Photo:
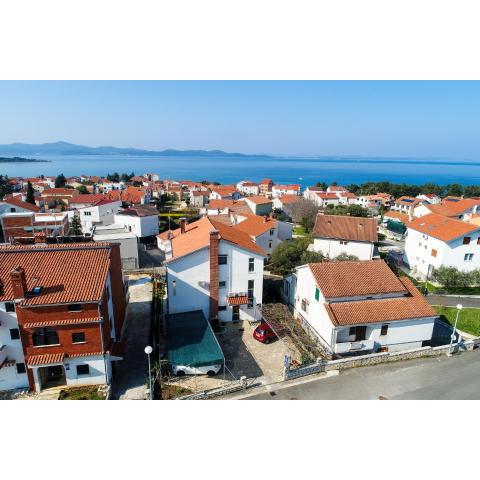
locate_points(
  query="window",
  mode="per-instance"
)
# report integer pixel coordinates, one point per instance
(222, 284)
(9, 307)
(466, 240)
(87, 214)
(83, 370)
(343, 242)
(478, 241)
(270, 244)
(14, 333)
(317, 294)
(305, 305)
(75, 307)
(45, 336)
(222, 308)
(78, 337)
(352, 331)
(174, 285)
(468, 257)
(384, 330)
(222, 259)
(251, 264)
(21, 368)
(251, 287)
(434, 252)
(272, 231)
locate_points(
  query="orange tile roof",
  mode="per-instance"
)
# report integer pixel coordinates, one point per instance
(223, 203)
(45, 359)
(409, 201)
(88, 198)
(336, 188)
(20, 203)
(286, 199)
(412, 305)
(67, 273)
(441, 227)
(455, 208)
(67, 192)
(326, 195)
(259, 199)
(351, 279)
(398, 215)
(239, 300)
(197, 236)
(254, 225)
(360, 229)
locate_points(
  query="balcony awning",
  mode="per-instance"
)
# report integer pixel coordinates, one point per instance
(240, 300)
(47, 359)
(56, 323)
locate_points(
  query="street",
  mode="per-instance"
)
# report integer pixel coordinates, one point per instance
(439, 378)
(452, 301)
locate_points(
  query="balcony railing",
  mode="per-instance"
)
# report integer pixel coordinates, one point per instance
(237, 294)
(350, 347)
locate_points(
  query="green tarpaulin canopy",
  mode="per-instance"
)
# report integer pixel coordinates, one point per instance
(396, 227)
(191, 341)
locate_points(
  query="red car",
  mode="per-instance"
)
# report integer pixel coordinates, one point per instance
(263, 333)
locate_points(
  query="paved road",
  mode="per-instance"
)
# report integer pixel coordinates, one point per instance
(453, 301)
(438, 378)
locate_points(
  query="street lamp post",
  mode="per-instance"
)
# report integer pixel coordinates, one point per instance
(459, 307)
(148, 350)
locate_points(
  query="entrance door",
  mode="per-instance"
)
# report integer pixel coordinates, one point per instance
(236, 313)
(52, 376)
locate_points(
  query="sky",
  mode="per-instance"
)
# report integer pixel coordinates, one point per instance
(366, 118)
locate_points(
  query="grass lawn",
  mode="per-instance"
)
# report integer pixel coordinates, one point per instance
(468, 321)
(299, 230)
(81, 393)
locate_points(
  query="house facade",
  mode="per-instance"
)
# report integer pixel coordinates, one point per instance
(216, 269)
(361, 307)
(434, 240)
(337, 234)
(141, 220)
(62, 310)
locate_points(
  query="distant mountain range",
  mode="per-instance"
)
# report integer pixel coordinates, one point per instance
(65, 148)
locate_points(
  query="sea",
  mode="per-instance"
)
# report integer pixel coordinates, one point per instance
(231, 169)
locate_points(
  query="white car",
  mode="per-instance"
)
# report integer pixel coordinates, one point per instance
(209, 370)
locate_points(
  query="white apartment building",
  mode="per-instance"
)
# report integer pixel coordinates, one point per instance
(142, 220)
(279, 190)
(101, 213)
(248, 188)
(214, 268)
(352, 307)
(337, 234)
(435, 240)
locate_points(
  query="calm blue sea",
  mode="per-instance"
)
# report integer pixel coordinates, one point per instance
(305, 171)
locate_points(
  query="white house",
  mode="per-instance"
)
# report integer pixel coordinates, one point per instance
(353, 307)
(224, 192)
(259, 205)
(310, 193)
(214, 268)
(322, 199)
(430, 198)
(248, 188)
(279, 190)
(454, 207)
(101, 213)
(370, 202)
(435, 240)
(118, 234)
(336, 234)
(406, 205)
(142, 220)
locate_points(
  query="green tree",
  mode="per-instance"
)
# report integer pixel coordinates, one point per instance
(60, 181)
(30, 197)
(357, 211)
(451, 277)
(345, 257)
(82, 189)
(291, 254)
(5, 187)
(322, 185)
(76, 226)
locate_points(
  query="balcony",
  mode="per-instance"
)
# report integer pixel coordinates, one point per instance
(351, 347)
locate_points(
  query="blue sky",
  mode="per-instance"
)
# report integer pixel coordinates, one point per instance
(416, 119)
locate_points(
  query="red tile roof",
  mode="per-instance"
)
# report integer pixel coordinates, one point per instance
(66, 192)
(88, 198)
(360, 229)
(17, 202)
(453, 208)
(239, 300)
(45, 359)
(398, 215)
(412, 305)
(259, 199)
(286, 199)
(67, 273)
(351, 279)
(255, 225)
(441, 227)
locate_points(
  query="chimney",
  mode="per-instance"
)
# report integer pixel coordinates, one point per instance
(19, 283)
(183, 224)
(265, 218)
(214, 249)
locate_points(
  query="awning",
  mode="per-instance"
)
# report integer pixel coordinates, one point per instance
(47, 359)
(55, 323)
(240, 300)
(7, 363)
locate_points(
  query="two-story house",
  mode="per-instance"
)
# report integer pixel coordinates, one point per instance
(435, 240)
(215, 268)
(337, 234)
(361, 307)
(62, 310)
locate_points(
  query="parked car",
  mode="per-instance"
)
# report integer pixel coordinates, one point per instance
(181, 370)
(264, 333)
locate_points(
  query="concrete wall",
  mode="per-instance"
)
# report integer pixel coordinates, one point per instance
(333, 248)
(140, 226)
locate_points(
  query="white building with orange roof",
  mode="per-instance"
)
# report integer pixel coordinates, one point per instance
(352, 307)
(259, 205)
(224, 192)
(279, 190)
(215, 268)
(248, 188)
(435, 240)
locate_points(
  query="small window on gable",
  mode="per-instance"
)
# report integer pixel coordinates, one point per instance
(222, 259)
(466, 240)
(434, 252)
(21, 368)
(75, 307)
(83, 370)
(14, 333)
(9, 307)
(478, 241)
(384, 330)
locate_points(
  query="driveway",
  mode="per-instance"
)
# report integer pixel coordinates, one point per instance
(439, 378)
(132, 372)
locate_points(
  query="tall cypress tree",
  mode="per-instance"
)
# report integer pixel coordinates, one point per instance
(30, 194)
